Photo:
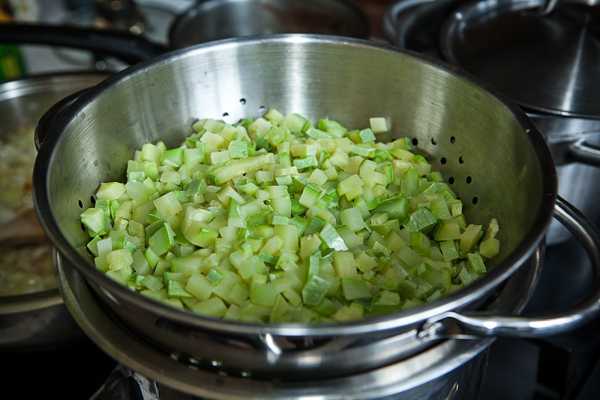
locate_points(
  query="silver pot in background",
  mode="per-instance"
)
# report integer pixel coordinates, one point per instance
(222, 19)
(37, 319)
(536, 53)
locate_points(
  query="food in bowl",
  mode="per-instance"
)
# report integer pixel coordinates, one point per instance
(17, 155)
(277, 219)
(24, 267)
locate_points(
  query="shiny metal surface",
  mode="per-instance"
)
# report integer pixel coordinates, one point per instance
(544, 62)
(415, 25)
(449, 370)
(446, 113)
(550, 324)
(222, 19)
(24, 101)
(551, 5)
(572, 141)
(36, 319)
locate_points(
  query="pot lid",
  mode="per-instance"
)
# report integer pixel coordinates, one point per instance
(545, 61)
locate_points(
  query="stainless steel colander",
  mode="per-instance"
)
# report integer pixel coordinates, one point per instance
(497, 163)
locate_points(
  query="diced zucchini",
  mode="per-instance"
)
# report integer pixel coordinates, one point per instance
(278, 219)
(470, 237)
(379, 124)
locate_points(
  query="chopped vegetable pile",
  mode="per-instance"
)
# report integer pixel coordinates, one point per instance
(278, 220)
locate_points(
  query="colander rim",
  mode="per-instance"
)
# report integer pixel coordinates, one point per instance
(394, 321)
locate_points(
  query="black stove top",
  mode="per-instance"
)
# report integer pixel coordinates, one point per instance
(73, 371)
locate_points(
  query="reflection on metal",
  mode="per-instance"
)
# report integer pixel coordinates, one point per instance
(453, 391)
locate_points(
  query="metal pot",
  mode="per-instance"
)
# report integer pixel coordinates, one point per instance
(204, 21)
(222, 19)
(452, 369)
(570, 132)
(445, 112)
(37, 319)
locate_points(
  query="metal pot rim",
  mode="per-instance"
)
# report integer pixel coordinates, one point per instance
(36, 82)
(29, 301)
(402, 319)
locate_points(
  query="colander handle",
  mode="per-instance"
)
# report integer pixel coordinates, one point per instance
(53, 116)
(474, 325)
(124, 46)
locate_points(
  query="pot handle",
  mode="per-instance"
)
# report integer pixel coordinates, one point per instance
(124, 46)
(474, 325)
(582, 152)
(53, 116)
(389, 21)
